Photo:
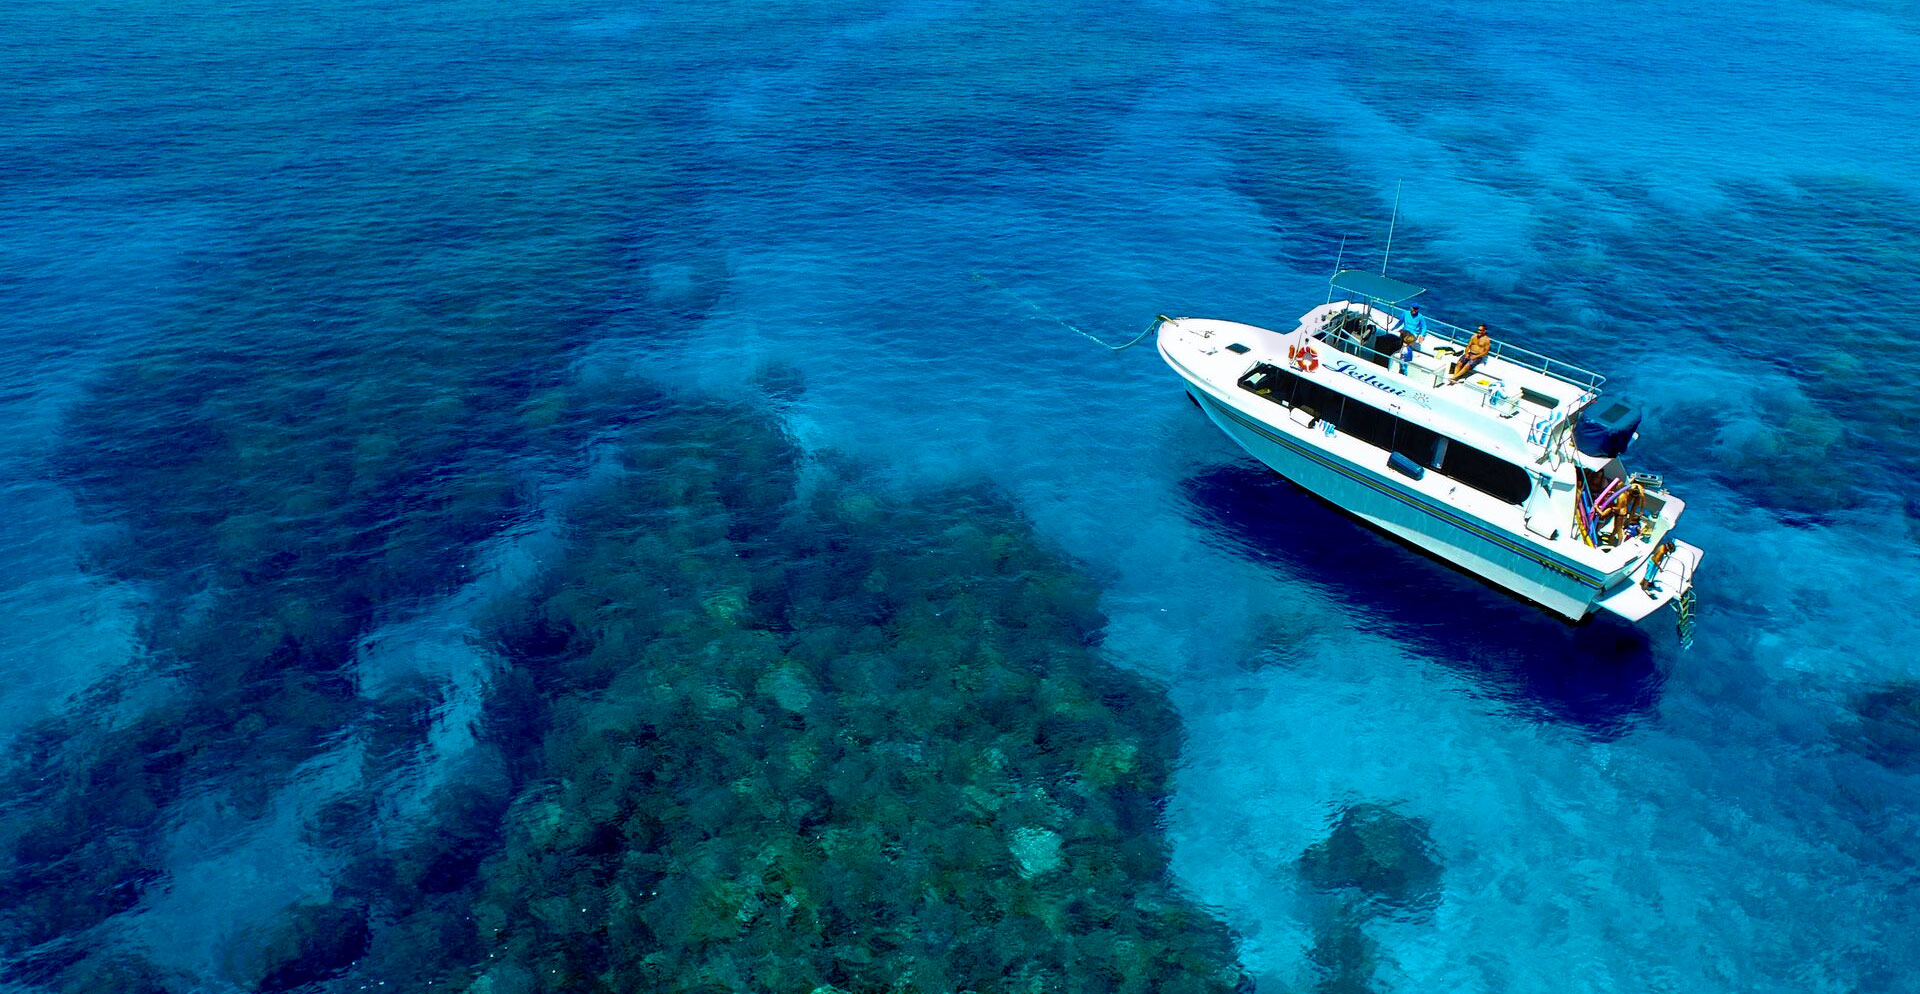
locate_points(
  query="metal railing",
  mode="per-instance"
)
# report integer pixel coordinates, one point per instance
(1566, 372)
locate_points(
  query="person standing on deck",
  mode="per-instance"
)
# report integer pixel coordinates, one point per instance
(1412, 330)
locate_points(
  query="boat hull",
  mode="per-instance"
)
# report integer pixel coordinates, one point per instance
(1378, 500)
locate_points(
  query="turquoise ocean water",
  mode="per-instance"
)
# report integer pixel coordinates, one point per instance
(513, 497)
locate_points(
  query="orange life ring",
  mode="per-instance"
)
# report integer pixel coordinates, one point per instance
(1304, 357)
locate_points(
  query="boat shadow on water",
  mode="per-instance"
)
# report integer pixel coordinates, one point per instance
(1599, 675)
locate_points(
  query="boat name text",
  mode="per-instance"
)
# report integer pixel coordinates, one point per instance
(1366, 377)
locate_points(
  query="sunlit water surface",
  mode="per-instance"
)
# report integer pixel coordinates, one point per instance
(326, 328)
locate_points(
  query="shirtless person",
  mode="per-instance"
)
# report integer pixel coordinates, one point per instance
(1626, 510)
(1477, 348)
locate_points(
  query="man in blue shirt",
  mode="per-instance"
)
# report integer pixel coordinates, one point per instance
(1412, 329)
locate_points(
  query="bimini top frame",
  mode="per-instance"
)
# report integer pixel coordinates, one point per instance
(1375, 288)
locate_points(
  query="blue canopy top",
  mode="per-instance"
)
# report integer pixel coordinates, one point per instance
(1374, 286)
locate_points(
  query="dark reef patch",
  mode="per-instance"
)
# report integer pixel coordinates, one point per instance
(875, 753)
(763, 727)
(1375, 863)
(1311, 207)
(1380, 854)
(272, 525)
(1344, 956)
(314, 442)
(318, 942)
(1886, 726)
(772, 737)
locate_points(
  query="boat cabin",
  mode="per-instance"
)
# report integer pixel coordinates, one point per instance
(1505, 429)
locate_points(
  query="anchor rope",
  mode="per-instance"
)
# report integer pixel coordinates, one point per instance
(1097, 341)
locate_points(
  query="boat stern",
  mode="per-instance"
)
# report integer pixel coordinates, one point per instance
(1655, 585)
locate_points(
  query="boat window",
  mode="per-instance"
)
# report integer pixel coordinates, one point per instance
(1488, 474)
(1367, 423)
(1322, 402)
(1269, 381)
(1452, 458)
(1422, 445)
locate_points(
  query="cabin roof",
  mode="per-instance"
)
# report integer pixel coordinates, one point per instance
(1375, 286)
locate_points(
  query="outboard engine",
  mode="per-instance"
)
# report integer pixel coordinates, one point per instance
(1606, 433)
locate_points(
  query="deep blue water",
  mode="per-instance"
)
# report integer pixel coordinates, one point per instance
(342, 343)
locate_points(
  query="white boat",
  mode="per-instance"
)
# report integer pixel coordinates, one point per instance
(1513, 472)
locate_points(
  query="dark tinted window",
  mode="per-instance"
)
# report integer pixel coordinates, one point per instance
(1418, 444)
(1367, 423)
(1487, 474)
(1270, 382)
(1318, 399)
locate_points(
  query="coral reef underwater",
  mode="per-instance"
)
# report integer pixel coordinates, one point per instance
(1383, 856)
(762, 726)
(1374, 863)
(270, 524)
(817, 740)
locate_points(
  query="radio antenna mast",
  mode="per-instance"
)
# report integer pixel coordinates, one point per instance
(1396, 220)
(1336, 266)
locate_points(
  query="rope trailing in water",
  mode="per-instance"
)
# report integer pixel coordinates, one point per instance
(1036, 309)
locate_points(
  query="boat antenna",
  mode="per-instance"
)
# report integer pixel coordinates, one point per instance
(1396, 220)
(1336, 266)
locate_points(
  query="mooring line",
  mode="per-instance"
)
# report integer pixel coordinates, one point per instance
(1037, 310)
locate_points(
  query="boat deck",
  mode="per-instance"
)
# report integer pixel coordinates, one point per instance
(1508, 404)
(1511, 385)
